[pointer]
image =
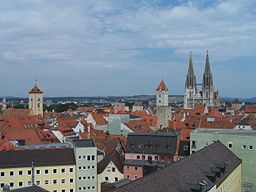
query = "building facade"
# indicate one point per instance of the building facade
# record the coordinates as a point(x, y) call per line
point(193, 94)
point(240, 142)
point(51, 169)
point(86, 165)
point(35, 96)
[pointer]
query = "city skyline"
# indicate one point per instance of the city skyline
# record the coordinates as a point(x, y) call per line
point(109, 48)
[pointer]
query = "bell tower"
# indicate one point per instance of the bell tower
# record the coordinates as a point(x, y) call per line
point(35, 96)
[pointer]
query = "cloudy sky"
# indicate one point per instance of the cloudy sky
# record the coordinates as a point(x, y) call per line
point(125, 47)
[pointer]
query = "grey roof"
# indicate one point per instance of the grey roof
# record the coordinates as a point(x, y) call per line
point(84, 143)
point(29, 189)
point(226, 131)
point(211, 164)
point(160, 143)
point(42, 157)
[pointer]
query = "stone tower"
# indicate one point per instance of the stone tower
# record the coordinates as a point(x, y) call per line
point(163, 111)
point(208, 89)
point(36, 101)
point(190, 86)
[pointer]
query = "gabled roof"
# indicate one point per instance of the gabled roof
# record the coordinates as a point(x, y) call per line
point(187, 174)
point(113, 156)
point(138, 126)
point(162, 86)
point(35, 89)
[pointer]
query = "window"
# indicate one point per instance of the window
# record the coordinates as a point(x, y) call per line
point(136, 168)
point(37, 172)
point(143, 157)
point(244, 147)
point(71, 190)
point(92, 167)
point(128, 167)
point(84, 178)
point(71, 180)
point(54, 170)
point(70, 170)
point(46, 171)
point(149, 158)
point(193, 144)
point(113, 169)
point(92, 177)
point(29, 183)
point(93, 157)
point(79, 167)
point(250, 147)
point(84, 167)
point(88, 167)
point(88, 187)
point(156, 157)
point(88, 157)
point(37, 182)
point(128, 176)
point(29, 172)
point(46, 182)
point(135, 177)
point(89, 177)
point(106, 178)
point(38, 105)
point(116, 178)
point(20, 172)
point(11, 173)
point(138, 157)
point(2, 185)
point(63, 181)
point(230, 145)
point(62, 170)
point(79, 178)
point(63, 190)
point(79, 157)
point(11, 184)
point(54, 181)
point(80, 188)
point(92, 187)
point(20, 184)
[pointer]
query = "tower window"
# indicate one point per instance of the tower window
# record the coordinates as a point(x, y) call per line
point(38, 105)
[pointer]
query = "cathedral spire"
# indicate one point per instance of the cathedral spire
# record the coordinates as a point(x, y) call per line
point(191, 78)
point(207, 81)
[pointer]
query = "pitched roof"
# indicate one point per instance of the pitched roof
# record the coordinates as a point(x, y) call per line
point(113, 156)
point(187, 174)
point(35, 89)
point(162, 86)
point(138, 126)
point(33, 188)
point(152, 143)
point(99, 119)
point(40, 157)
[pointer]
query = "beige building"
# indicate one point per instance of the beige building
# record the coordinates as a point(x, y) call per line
point(110, 169)
point(51, 169)
point(36, 101)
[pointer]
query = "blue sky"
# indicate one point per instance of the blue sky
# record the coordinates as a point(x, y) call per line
point(125, 47)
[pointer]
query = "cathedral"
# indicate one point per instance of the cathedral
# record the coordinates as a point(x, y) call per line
point(200, 93)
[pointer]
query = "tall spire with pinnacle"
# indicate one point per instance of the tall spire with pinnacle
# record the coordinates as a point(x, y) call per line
point(191, 78)
point(207, 79)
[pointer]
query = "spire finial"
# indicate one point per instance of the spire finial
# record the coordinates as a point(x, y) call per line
point(35, 81)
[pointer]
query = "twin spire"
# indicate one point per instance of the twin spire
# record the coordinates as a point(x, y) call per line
point(207, 77)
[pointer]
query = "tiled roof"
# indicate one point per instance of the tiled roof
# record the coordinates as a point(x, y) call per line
point(162, 86)
point(99, 119)
point(35, 89)
point(113, 156)
point(41, 157)
point(152, 143)
point(138, 126)
point(187, 174)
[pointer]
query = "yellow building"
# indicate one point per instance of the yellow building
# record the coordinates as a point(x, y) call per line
point(51, 169)
point(232, 182)
point(36, 101)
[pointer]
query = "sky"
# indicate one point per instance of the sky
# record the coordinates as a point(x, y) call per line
point(125, 47)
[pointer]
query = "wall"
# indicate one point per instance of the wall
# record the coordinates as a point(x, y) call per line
point(112, 173)
point(41, 177)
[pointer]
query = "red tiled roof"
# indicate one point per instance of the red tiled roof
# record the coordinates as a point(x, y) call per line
point(162, 86)
point(140, 113)
point(99, 119)
point(138, 126)
point(35, 89)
